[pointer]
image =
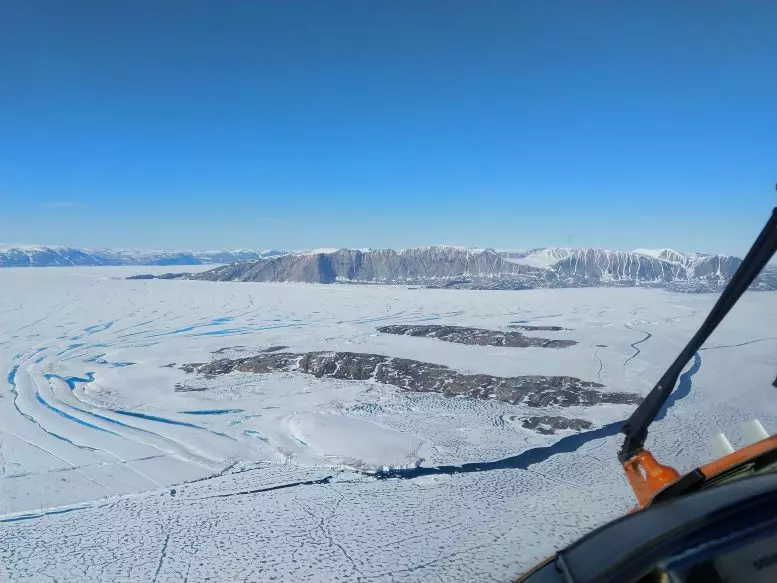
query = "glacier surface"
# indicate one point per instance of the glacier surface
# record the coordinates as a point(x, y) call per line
point(117, 464)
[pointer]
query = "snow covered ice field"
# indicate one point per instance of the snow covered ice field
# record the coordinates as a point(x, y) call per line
point(116, 465)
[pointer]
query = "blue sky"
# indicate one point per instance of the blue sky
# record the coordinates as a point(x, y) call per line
point(294, 124)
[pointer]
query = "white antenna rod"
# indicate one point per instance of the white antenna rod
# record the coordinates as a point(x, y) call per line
point(753, 431)
point(721, 446)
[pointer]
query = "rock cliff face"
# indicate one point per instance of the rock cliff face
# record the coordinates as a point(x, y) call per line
point(617, 266)
point(442, 264)
point(488, 269)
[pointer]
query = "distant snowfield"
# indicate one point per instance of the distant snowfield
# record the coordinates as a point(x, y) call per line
point(117, 465)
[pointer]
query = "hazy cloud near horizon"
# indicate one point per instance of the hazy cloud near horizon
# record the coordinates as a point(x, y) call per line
point(65, 205)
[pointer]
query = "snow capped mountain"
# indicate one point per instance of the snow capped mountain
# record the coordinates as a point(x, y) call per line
point(448, 266)
point(666, 254)
point(54, 255)
point(43, 256)
point(699, 265)
point(617, 266)
point(437, 266)
point(641, 266)
point(544, 257)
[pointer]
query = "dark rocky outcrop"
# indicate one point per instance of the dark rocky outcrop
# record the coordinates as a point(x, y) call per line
point(181, 388)
point(414, 375)
point(475, 336)
point(143, 276)
point(275, 348)
point(527, 328)
point(224, 349)
point(548, 424)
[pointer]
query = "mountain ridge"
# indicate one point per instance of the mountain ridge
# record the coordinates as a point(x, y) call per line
point(57, 255)
point(452, 267)
point(447, 266)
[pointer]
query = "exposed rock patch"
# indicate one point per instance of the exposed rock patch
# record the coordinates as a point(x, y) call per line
point(227, 349)
point(179, 388)
point(414, 375)
point(475, 336)
point(527, 328)
point(548, 424)
point(275, 348)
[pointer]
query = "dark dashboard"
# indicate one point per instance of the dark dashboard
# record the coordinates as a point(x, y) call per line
point(726, 533)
